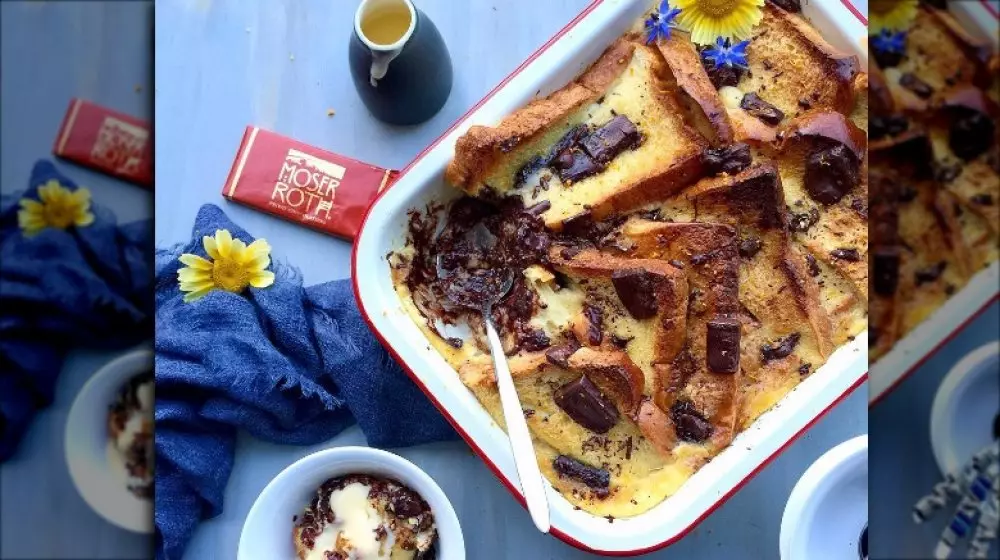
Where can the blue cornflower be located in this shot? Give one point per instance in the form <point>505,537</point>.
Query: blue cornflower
<point>659,23</point>
<point>722,54</point>
<point>888,42</point>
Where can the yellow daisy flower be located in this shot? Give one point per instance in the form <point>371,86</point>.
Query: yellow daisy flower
<point>707,20</point>
<point>893,15</point>
<point>57,207</point>
<point>233,265</point>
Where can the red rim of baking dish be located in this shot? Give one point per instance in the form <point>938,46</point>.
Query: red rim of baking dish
<point>465,436</point>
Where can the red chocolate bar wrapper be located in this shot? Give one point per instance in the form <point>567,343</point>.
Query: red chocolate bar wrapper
<point>304,184</point>
<point>106,140</point>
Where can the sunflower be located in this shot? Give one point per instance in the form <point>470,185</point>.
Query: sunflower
<point>892,15</point>
<point>707,20</point>
<point>57,207</point>
<point>233,265</point>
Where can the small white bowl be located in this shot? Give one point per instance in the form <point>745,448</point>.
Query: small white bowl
<point>87,440</point>
<point>828,507</point>
<point>267,531</point>
<point>965,406</point>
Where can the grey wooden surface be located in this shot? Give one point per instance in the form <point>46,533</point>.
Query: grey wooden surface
<point>224,64</point>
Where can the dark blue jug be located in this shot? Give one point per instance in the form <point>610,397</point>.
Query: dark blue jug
<point>408,81</point>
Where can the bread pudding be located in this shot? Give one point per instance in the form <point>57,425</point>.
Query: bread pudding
<point>689,242</point>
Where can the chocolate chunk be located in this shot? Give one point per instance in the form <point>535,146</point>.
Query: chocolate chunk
<point>406,503</point>
<point>689,424</point>
<point>595,320</point>
<point>532,340</point>
<point>802,221</point>
<point>728,159</point>
<point>559,355</point>
<point>891,125</point>
<point>930,274</point>
<point>592,477</point>
<point>527,170</point>
<point>574,165</point>
<point>618,135</point>
<point>699,259</point>
<point>723,346</point>
<point>757,107</point>
<point>585,404</point>
<point>906,194</point>
<point>846,254</point>
<point>454,342</point>
<point>804,369</point>
<point>831,172</point>
<point>636,288</point>
<point>783,347</point>
<point>620,342</point>
<point>971,134</point>
<point>788,5</point>
<point>885,270</point>
<point>749,246</point>
<point>983,199</point>
<point>919,87</point>
<point>859,206</point>
<point>538,209</point>
<point>946,173</point>
<point>473,288</point>
<point>568,140</point>
<point>812,266</point>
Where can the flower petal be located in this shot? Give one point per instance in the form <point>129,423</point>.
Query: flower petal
<point>196,295</point>
<point>194,275</point>
<point>262,279</point>
<point>256,249</point>
<point>258,264</point>
<point>194,261</point>
<point>223,242</point>
<point>210,247</point>
<point>84,219</point>
<point>31,205</point>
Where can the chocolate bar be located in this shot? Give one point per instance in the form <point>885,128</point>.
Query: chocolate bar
<point>106,140</point>
<point>304,184</point>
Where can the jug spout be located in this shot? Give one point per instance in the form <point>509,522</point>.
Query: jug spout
<point>384,26</point>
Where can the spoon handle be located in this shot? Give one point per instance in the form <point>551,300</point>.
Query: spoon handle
<point>520,438</point>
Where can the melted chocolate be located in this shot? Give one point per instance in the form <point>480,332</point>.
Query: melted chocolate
<point>846,254</point>
<point>930,273</point>
<point>583,402</point>
<point>595,322</point>
<point>749,246</point>
<point>762,110</point>
<point>982,199</point>
<point>831,171</point>
<point>885,274</point>
<point>592,477</point>
<point>690,424</point>
<point>616,136</point>
<point>788,5</point>
<point>559,355</point>
<point>919,87</point>
<point>890,125</point>
<point>636,288</point>
<point>728,159</point>
<point>802,221</point>
<point>723,346</point>
<point>812,266</point>
<point>782,348</point>
<point>721,76</point>
<point>971,134</point>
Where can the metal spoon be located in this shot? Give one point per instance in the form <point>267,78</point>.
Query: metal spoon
<point>517,426</point>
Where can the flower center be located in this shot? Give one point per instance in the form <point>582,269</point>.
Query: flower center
<point>59,215</point>
<point>229,275</point>
<point>717,9</point>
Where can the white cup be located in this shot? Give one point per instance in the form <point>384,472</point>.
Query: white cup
<point>267,531</point>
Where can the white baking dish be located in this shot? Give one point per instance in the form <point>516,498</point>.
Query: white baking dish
<point>981,19</point>
<point>384,229</point>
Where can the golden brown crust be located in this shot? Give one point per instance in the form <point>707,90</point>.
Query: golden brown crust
<point>478,149</point>
<point>614,373</point>
<point>656,426</point>
<point>685,64</point>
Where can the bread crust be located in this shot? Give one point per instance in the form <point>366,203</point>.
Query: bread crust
<point>478,150</point>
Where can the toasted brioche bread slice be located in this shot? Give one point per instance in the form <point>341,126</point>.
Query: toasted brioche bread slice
<point>822,160</point>
<point>791,67</point>
<point>884,299</point>
<point>698,386</point>
<point>635,467</point>
<point>972,173</point>
<point>939,55</point>
<point>638,305</point>
<point>518,156</point>
<point>779,299</point>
